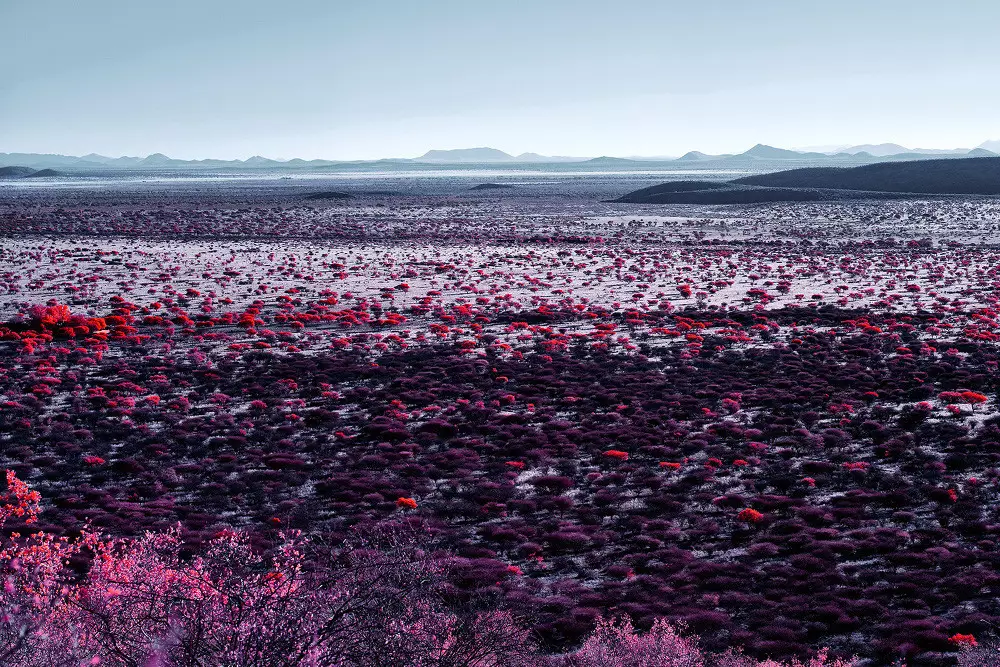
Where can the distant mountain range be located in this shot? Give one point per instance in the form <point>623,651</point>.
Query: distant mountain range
<point>485,155</point>
<point>853,155</point>
<point>865,152</point>
<point>154,161</point>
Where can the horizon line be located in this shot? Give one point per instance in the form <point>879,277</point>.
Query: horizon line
<point>804,151</point>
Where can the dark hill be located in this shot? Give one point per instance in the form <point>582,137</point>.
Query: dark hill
<point>652,193</point>
<point>491,186</point>
<point>41,173</point>
<point>15,172</point>
<point>711,192</point>
<point>353,194</point>
<point>726,195</point>
<point>330,195</point>
<point>964,176</point>
<point>886,180</point>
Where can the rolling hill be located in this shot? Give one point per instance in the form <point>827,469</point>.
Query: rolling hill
<point>969,176</point>
<point>978,176</point>
<point>15,171</point>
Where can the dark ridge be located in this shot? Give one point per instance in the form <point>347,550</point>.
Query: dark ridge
<point>965,176</point>
<point>886,180</point>
<point>15,172</point>
<point>491,186</point>
<point>673,187</point>
<point>41,173</point>
<point>724,195</point>
<point>330,195</point>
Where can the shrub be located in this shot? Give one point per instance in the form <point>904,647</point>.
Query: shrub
<point>615,643</point>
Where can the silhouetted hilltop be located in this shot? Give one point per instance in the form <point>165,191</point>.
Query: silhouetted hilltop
<point>41,173</point>
<point>966,176</point>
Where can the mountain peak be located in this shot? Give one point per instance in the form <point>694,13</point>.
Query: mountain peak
<point>770,152</point>
<point>156,158</point>
<point>96,157</point>
<point>694,155</point>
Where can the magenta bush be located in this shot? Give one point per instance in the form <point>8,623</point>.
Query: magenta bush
<point>145,601</point>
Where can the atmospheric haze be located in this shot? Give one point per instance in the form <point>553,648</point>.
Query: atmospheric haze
<point>341,80</point>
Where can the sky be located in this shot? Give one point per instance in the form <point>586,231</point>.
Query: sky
<point>365,79</point>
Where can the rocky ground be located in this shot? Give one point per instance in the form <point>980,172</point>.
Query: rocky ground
<point>776,423</point>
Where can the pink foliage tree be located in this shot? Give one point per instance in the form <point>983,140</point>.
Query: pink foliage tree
<point>141,603</point>
<point>379,603</point>
<point>615,643</point>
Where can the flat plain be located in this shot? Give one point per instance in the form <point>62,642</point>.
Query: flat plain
<point>776,423</point>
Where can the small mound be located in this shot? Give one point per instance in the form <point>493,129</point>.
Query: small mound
<point>720,195</point>
<point>330,195</point>
<point>491,186</point>
<point>15,172</point>
<point>672,187</point>
<point>41,173</point>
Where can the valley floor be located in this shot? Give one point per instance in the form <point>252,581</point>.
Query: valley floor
<point>778,424</point>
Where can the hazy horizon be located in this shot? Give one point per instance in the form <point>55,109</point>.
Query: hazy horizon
<point>827,149</point>
<point>385,79</point>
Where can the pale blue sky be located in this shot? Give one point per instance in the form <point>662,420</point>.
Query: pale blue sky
<point>378,78</point>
